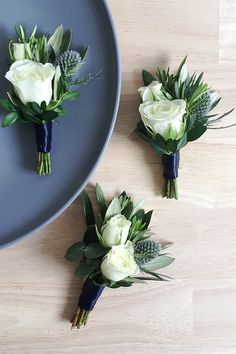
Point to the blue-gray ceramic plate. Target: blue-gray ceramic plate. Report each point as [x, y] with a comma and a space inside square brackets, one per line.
[28, 201]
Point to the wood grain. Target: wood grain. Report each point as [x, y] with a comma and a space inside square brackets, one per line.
[195, 313]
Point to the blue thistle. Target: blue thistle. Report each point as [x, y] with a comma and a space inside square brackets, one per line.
[69, 62]
[145, 251]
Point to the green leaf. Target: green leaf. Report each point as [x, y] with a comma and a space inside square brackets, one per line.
[120, 283]
[49, 116]
[6, 104]
[147, 78]
[88, 209]
[136, 208]
[94, 250]
[157, 148]
[182, 142]
[71, 95]
[34, 107]
[158, 263]
[43, 106]
[196, 132]
[101, 200]
[75, 252]
[147, 218]
[86, 267]
[128, 209]
[10, 119]
[113, 208]
[90, 235]
[84, 53]
[66, 41]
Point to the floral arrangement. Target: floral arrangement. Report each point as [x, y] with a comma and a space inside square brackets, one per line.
[42, 76]
[116, 250]
[175, 111]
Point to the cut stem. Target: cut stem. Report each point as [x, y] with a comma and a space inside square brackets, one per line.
[171, 189]
[80, 318]
[44, 164]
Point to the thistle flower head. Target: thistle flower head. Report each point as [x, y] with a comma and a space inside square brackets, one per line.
[145, 251]
[69, 62]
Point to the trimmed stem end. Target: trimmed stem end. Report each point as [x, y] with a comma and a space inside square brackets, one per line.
[171, 189]
[80, 318]
[44, 164]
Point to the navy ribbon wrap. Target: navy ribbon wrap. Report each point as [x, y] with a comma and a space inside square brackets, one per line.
[43, 134]
[171, 165]
[89, 295]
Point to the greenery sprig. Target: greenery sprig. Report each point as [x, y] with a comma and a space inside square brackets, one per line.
[130, 223]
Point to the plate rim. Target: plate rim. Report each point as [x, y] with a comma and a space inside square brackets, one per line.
[102, 151]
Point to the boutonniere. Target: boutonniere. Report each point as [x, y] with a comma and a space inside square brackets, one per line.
[117, 250]
[42, 76]
[175, 111]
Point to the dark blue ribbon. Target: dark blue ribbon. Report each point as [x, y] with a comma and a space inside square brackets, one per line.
[43, 133]
[89, 295]
[171, 165]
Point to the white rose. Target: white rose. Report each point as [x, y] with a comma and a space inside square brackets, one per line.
[164, 117]
[115, 231]
[20, 50]
[151, 92]
[119, 262]
[32, 81]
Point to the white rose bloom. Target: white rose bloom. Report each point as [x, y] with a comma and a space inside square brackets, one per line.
[115, 231]
[151, 92]
[32, 81]
[19, 50]
[164, 117]
[119, 262]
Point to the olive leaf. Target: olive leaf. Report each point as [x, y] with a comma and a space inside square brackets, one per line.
[158, 263]
[113, 209]
[88, 209]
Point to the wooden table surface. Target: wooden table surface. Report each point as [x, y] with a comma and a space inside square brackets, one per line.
[196, 312]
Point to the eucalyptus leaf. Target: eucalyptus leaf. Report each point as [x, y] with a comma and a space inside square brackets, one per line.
[158, 263]
[86, 268]
[94, 250]
[113, 208]
[156, 147]
[75, 252]
[196, 132]
[136, 208]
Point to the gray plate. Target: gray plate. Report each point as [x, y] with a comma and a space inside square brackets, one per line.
[27, 200]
